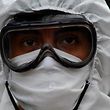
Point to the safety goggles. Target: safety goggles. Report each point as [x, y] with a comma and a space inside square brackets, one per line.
[70, 40]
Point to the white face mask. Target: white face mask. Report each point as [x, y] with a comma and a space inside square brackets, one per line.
[49, 86]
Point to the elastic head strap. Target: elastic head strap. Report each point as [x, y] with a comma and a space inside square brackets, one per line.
[81, 95]
[16, 106]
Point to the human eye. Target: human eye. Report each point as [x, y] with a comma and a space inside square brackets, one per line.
[67, 39]
[23, 42]
[30, 42]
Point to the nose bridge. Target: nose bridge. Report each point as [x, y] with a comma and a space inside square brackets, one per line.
[48, 36]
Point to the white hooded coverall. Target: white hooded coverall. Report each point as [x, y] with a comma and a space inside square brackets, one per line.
[97, 12]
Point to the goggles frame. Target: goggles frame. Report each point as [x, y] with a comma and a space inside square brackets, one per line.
[69, 20]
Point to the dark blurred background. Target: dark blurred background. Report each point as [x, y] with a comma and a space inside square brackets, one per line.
[108, 2]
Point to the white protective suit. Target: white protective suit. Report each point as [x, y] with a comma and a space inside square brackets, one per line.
[97, 12]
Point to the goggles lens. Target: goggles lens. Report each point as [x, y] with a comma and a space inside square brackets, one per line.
[75, 41]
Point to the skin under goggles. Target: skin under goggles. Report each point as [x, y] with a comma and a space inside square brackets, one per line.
[68, 38]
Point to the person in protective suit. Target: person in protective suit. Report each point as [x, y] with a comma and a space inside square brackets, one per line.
[54, 55]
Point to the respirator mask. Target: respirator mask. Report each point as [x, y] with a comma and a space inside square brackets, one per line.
[50, 75]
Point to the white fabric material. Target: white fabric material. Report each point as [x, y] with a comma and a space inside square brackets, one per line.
[99, 14]
[93, 100]
[28, 57]
[67, 56]
[48, 87]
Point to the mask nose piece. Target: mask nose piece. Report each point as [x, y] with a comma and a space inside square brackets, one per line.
[47, 62]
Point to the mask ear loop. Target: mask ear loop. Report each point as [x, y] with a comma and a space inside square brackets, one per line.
[88, 82]
[81, 95]
[13, 100]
